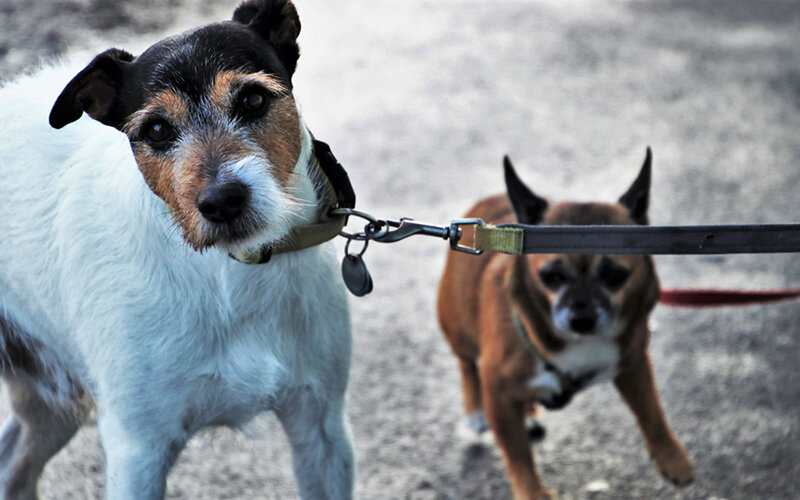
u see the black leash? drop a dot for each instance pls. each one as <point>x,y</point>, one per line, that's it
<point>653,240</point>
<point>520,239</point>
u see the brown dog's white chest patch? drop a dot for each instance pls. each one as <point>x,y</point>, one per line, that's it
<point>589,355</point>
<point>596,359</point>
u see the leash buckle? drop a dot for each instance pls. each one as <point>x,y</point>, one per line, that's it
<point>455,235</point>
<point>391,231</point>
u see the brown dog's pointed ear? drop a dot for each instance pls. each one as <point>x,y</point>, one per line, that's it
<point>93,90</point>
<point>277,22</point>
<point>637,198</point>
<point>528,207</point>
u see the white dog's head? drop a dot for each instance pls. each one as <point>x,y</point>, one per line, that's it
<point>211,120</point>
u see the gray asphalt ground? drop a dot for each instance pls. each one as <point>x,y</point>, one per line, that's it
<point>420,100</point>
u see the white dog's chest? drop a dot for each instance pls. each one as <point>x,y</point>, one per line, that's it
<point>234,387</point>
<point>251,346</point>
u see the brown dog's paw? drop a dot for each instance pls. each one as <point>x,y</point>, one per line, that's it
<point>544,495</point>
<point>676,467</point>
<point>538,494</point>
<point>536,430</point>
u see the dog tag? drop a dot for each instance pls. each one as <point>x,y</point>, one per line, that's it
<point>355,274</point>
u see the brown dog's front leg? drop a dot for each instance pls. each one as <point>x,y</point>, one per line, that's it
<point>637,387</point>
<point>470,385</point>
<point>507,420</point>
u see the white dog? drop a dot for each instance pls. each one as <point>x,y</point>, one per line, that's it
<point>117,286</point>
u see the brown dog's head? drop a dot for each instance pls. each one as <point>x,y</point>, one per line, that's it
<point>587,295</point>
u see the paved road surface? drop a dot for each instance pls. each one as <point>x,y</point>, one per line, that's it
<point>420,100</point>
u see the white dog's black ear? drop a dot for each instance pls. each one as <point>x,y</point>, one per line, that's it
<point>637,198</point>
<point>277,22</point>
<point>94,90</point>
<point>528,207</point>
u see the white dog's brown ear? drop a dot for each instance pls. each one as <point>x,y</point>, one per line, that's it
<point>637,198</point>
<point>528,207</point>
<point>94,90</point>
<point>277,22</point>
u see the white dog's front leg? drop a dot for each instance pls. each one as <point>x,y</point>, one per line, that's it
<point>322,453</point>
<point>139,455</point>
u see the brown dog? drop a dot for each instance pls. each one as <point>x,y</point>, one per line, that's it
<point>538,328</point>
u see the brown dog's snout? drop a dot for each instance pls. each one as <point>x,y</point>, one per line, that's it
<point>582,313</point>
<point>222,202</point>
<point>582,320</point>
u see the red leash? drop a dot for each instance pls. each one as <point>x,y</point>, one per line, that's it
<point>711,298</point>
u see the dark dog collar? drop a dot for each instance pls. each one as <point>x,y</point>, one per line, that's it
<point>519,326</point>
<point>335,191</point>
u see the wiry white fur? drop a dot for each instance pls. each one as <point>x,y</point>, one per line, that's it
<point>266,198</point>
<point>264,190</point>
<point>165,339</point>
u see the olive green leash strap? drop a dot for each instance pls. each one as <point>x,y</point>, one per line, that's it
<point>501,239</point>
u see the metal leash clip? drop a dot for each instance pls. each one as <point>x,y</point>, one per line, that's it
<point>354,269</point>
<point>391,231</point>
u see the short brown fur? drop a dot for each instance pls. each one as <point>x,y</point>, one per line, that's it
<point>476,298</point>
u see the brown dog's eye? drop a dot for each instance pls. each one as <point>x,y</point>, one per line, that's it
<point>611,274</point>
<point>552,277</point>
<point>253,103</point>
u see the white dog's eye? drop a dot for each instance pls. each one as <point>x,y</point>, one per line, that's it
<point>253,103</point>
<point>159,134</point>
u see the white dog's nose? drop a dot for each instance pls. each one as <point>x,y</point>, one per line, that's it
<point>222,201</point>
